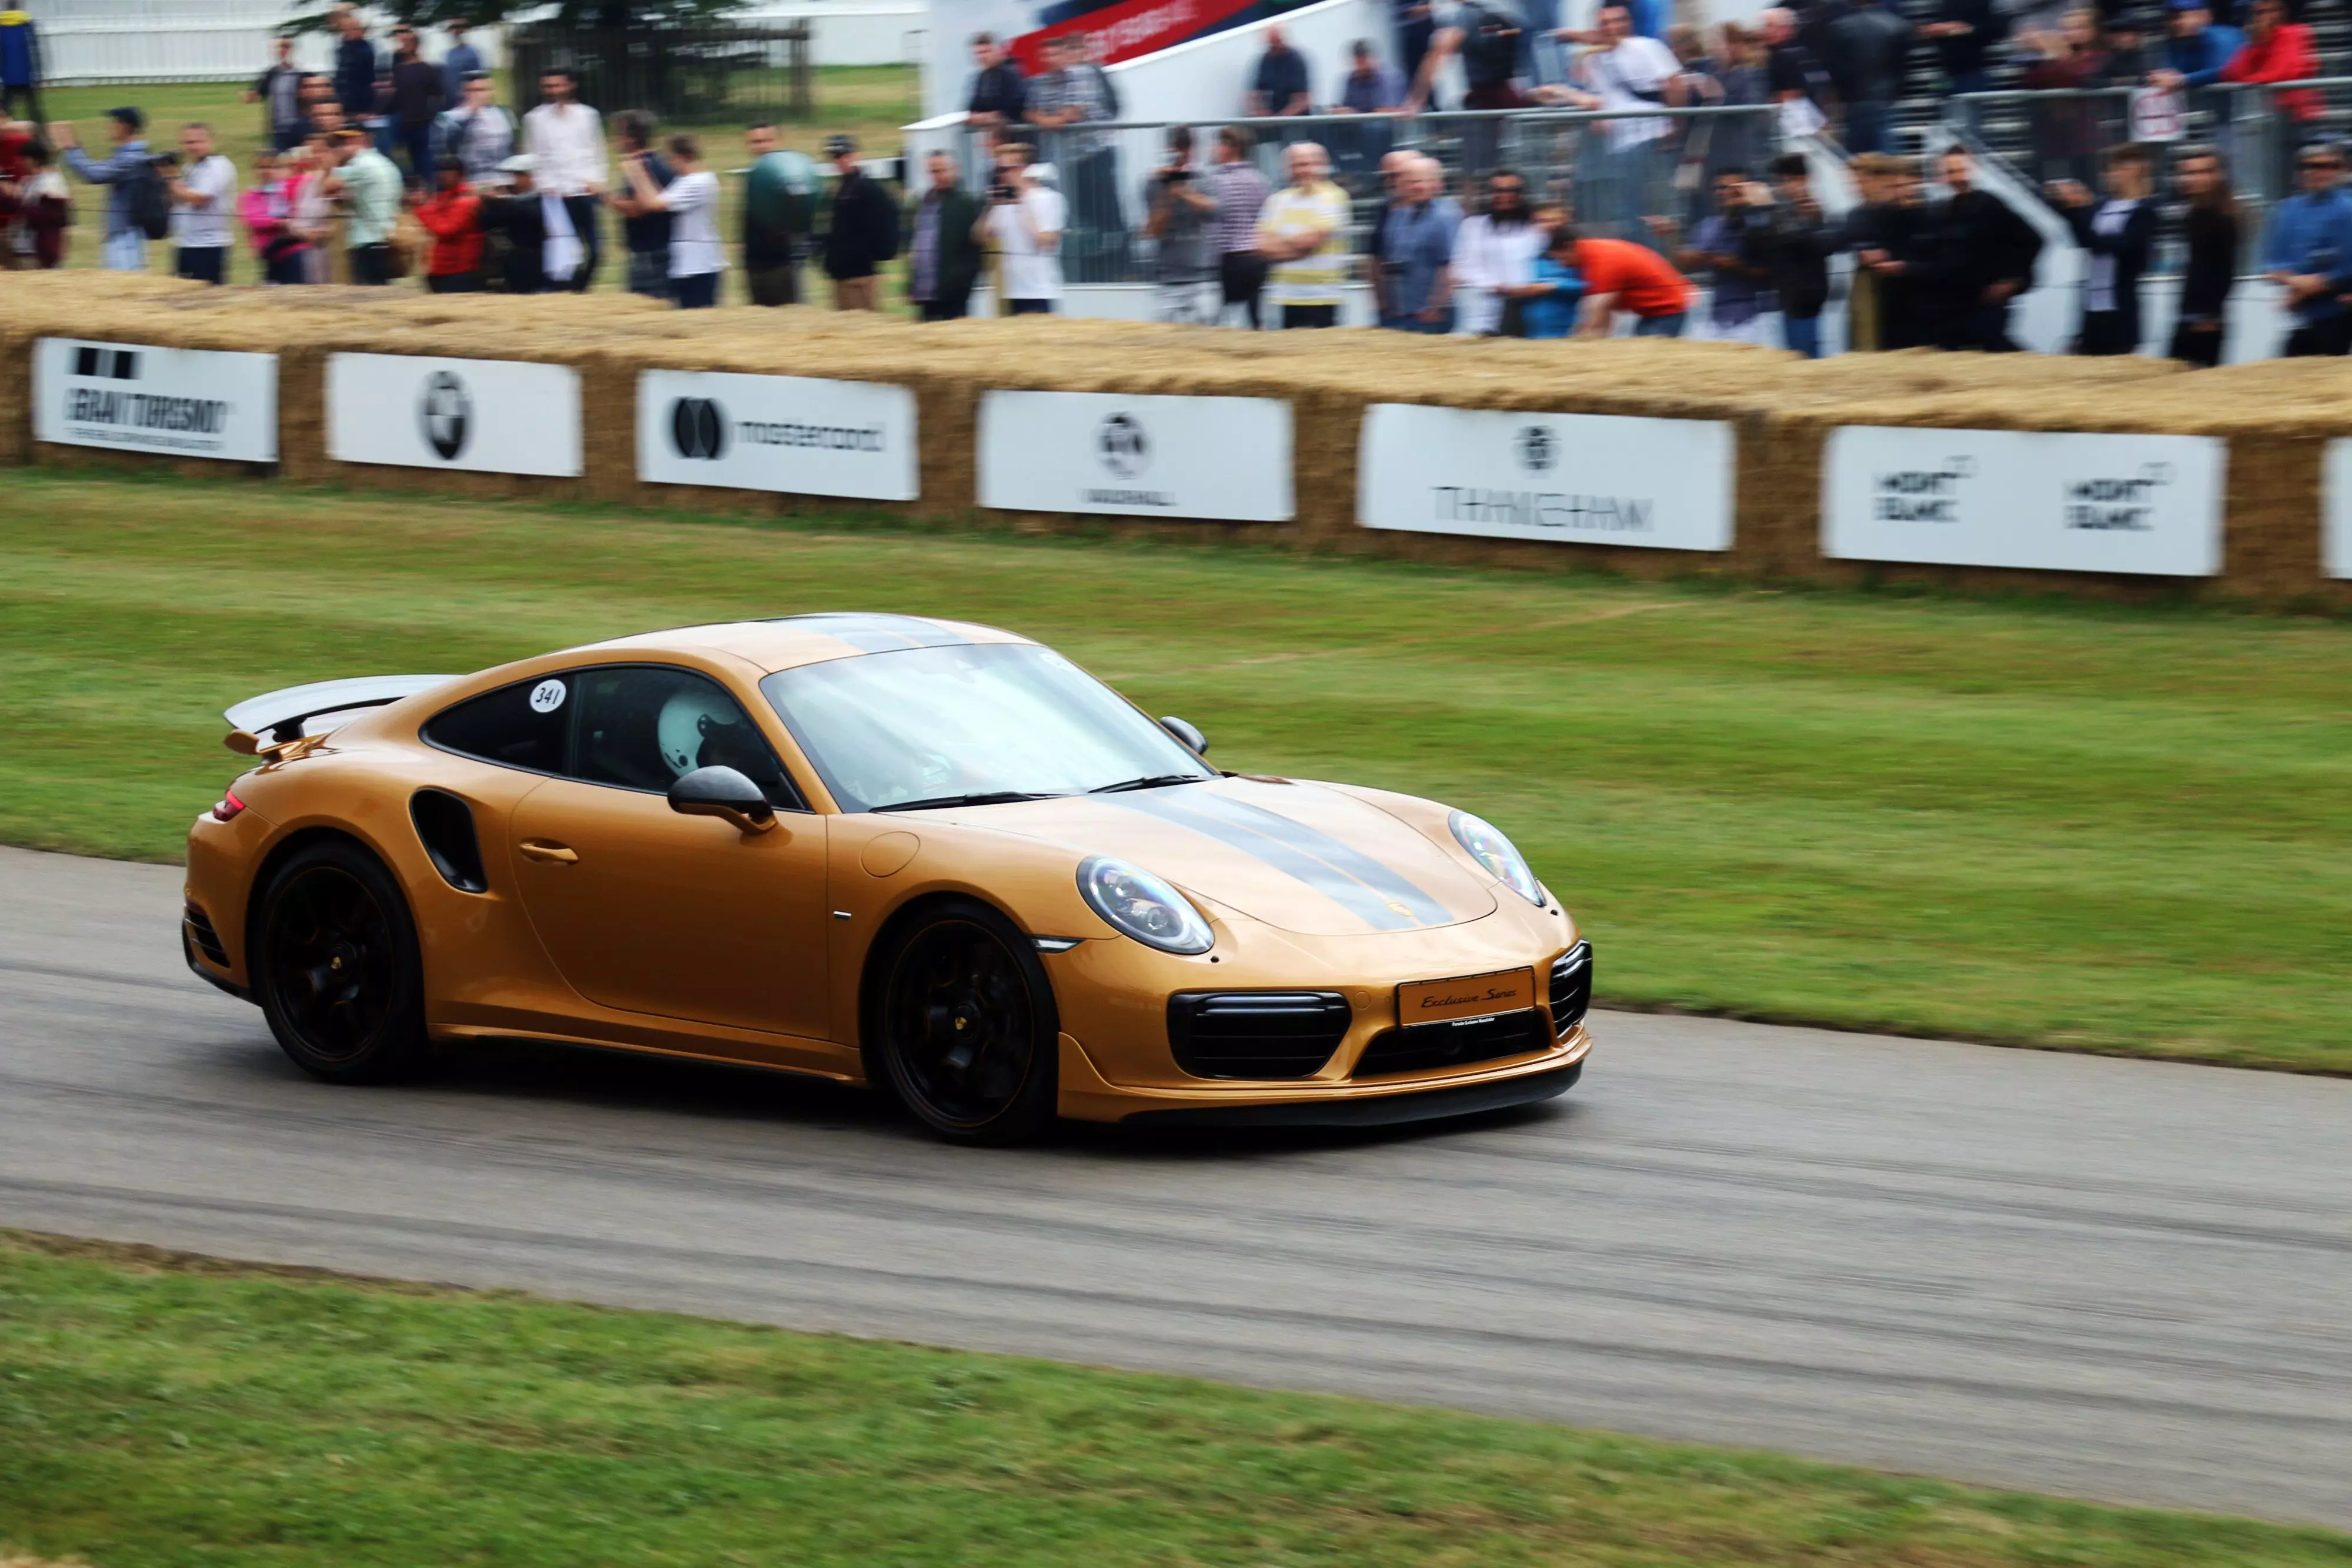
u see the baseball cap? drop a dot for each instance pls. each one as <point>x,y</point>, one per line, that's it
<point>835,146</point>
<point>520,163</point>
<point>134,118</point>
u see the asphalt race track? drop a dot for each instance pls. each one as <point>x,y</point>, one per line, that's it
<point>2116,1279</point>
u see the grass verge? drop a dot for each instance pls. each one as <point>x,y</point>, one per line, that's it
<point>157,1409</point>
<point>2090,827</point>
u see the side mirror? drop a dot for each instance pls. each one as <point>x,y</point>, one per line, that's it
<point>1187,733</point>
<point>723,792</point>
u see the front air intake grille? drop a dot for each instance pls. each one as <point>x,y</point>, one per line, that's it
<point>207,940</point>
<point>1256,1034</point>
<point>1571,987</point>
<point>1434,1047</point>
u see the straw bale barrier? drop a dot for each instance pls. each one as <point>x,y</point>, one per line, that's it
<point>2276,418</point>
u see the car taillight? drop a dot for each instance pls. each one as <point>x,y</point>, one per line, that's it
<point>227,806</point>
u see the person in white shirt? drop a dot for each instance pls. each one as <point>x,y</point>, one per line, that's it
<point>691,200</point>
<point>565,139</point>
<point>1023,220</point>
<point>1619,180</point>
<point>1494,252</point>
<point>204,205</point>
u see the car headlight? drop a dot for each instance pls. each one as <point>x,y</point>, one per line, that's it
<point>1490,848</point>
<point>1141,906</point>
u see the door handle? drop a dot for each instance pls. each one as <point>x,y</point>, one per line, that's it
<point>542,849</point>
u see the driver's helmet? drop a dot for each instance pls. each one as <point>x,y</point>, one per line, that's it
<point>688,719</point>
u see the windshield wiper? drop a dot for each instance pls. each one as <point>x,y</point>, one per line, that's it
<point>985,798</point>
<point>1152,782</point>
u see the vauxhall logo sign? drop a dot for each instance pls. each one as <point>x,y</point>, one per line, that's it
<point>446,412</point>
<point>1123,447</point>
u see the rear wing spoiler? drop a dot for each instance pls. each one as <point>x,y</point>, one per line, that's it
<point>276,718</point>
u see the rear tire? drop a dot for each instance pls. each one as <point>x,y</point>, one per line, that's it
<point>964,1029</point>
<point>336,968</point>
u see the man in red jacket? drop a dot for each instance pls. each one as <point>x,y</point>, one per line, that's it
<point>2278,50</point>
<point>452,215</point>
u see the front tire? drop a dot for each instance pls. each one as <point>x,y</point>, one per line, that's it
<point>336,968</point>
<point>965,1032</point>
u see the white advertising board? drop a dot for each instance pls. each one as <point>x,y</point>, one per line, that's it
<point>2335,511</point>
<point>484,416</point>
<point>1225,457</point>
<point>2050,501</point>
<point>1666,484</point>
<point>791,433</point>
<point>132,397</point>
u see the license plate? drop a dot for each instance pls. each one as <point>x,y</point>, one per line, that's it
<point>1475,995</point>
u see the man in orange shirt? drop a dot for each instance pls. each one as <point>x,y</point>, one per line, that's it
<point>1620,275</point>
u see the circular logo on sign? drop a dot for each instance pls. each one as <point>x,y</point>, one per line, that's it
<point>447,412</point>
<point>547,696</point>
<point>1123,447</point>
<point>1537,448</point>
<point>697,428</point>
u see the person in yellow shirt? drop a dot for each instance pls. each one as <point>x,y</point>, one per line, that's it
<point>1301,233</point>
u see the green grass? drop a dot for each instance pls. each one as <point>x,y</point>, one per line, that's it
<point>870,103</point>
<point>2097,828</point>
<point>178,1411</point>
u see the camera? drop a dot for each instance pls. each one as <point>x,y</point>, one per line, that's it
<point>1001,193</point>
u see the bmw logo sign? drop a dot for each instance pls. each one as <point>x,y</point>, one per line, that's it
<point>697,428</point>
<point>447,412</point>
<point>1539,449</point>
<point>1123,447</point>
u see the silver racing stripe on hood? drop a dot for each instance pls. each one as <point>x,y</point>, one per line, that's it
<point>1348,876</point>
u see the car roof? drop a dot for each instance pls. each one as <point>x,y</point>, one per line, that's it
<point>791,640</point>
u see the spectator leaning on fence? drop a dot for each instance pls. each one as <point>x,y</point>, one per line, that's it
<point>565,139</point>
<point>2307,252</point>
<point>1240,194</point>
<point>2208,226</point>
<point>477,132</point>
<point>2197,51</point>
<point>203,205</point>
<point>690,200</point>
<point>1302,233</point>
<point>2277,49</point>
<point>1072,94</point>
<point>1622,277</point>
<point>943,257</point>
<point>134,191</point>
<point>1178,217</point>
<point>1494,253</point>
<point>1793,244</point>
<point>452,216</point>
<point>644,223</point>
<point>279,90</point>
<point>1413,270</point>
<point>865,232</point>
<point>1987,253</point>
<point>1025,220</point>
<point>999,93</point>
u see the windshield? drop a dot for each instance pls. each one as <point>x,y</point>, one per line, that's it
<point>931,723</point>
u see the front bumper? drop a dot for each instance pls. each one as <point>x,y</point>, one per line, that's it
<point>1377,1110</point>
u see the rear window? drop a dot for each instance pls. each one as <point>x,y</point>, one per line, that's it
<point>520,726</point>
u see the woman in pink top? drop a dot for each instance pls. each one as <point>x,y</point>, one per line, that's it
<point>266,208</point>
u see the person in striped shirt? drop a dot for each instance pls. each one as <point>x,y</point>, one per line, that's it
<point>1240,193</point>
<point>1301,233</point>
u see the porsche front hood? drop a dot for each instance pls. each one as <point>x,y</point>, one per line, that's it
<point>1299,857</point>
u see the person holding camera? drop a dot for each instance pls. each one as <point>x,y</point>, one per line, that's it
<point>1185,268</point>
<point>129,175</point>
<point>1023,220</point>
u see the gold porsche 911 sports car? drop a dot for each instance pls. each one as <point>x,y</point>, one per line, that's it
<point>929,856</point>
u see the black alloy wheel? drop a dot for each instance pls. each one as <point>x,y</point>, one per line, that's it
<point>335,966</point>
<point>969,1032</point>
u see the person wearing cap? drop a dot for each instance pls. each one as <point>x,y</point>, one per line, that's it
<point>516,224</point>
<point>125,247</point>
<point>452,215</point>
<point>864,231</point>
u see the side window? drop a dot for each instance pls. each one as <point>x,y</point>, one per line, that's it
<point>520,726</point>
<point>642,726</point>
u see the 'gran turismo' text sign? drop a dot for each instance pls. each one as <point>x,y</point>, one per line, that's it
<point>1585,478</point>
<point>2050,501</point>
<point>796,435</point>
<point>1223,457</point>
<point>483,416</point>
<point>179,403</point>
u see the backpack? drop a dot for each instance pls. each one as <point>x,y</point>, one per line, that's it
<point>148,202</point>
<point>1490,45</point>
